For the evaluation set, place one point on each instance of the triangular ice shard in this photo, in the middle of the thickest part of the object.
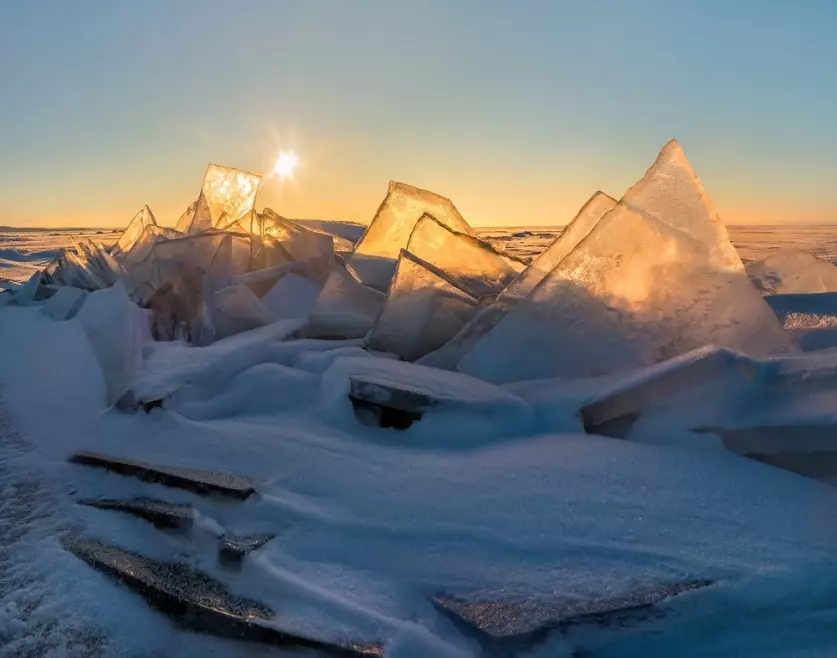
(116, 329)
(632, 293)
(132, 233)
(422, 312)
(185, 221)
(377, 250)
(672, 193)
(579, 228)
(230, 194)
(472, 264)
(345, 308)
(790, 271)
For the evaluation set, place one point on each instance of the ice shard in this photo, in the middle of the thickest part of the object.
(345, 308)
(377, 250)
(579, 228)
(298, 241)
(292, 296)
(236, 309)
(423, 310)
(197, 218)
(65, 303)
(116, 329)
(473, 265)
(634, 292)
(672, 193)
(791, 271)
(230, 194)
(134, 230)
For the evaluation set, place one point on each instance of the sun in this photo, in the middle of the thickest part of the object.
(286, 164)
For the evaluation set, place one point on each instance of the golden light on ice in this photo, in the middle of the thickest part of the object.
(286, 164)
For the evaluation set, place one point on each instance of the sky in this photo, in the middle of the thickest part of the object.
(518, 111)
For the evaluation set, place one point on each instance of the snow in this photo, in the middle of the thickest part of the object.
(65, 303)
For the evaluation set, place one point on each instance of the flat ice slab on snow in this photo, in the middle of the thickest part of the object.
(793, 271)
(633, 293)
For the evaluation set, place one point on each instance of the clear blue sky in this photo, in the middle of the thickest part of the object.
(517, 110)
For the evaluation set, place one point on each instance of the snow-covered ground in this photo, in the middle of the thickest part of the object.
(499, 498)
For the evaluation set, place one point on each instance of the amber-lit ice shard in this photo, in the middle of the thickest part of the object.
(469, 262)
(634, 292)
(197, 218)
(230, 194)
(790, 271)
(423, 310)
(345, 308)
(299, 241)
(377, 250)
(134, 230)
(672, 193)
(579, 228)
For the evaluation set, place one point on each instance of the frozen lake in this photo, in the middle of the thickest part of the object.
(22, 251)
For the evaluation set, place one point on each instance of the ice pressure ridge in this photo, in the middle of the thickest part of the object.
(628, 284)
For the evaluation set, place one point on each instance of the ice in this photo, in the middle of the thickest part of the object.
(292, 296)
(792, 271)
(633, 293)
(423, 310)
(579, 228)
(143, 219)
(229, 194)
(65, 303)
(672, 193)
(473, 265)
(345, 308)
(26, 294)
(116, 329)
(236, 309)
(377, 250)
(810, 318)
(487, 318)
(614, 408)
(300, 241)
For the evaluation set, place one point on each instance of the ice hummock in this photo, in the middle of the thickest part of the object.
(634, 292)
(470, 263)
(424, 309)
(672, 193)
(377, 250)
(793, 271)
